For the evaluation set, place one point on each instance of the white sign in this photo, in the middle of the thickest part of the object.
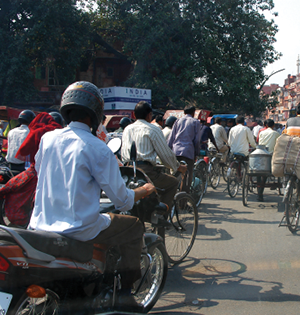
(118, 97)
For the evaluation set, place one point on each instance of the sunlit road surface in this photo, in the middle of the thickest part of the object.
(241, 262)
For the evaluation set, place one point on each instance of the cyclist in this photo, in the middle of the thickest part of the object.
(220, 135)
(292, 127)
(184, 141)
(240, 137)
(150, 143)
(267, 138)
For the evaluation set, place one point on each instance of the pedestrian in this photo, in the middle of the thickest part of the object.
(184, 141)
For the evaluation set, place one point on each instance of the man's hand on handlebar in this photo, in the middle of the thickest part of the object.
(143, 191)
(182, 168)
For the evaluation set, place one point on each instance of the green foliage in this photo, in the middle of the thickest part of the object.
(211, 52)
(33, 33)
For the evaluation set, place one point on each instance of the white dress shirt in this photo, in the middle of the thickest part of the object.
(150, 143)
(166, 132)
(220, 135)
(239, 138)
(73, 166)
(15, 139)
(256, 129)
(268, 138)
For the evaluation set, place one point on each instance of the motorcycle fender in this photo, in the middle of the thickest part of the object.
(152, 239)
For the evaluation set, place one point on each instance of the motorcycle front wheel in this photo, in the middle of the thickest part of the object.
(154, 273)
(37, 306)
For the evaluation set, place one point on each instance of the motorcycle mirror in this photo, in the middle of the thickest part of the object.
(133, 152)
(115, 144)
(133, 158)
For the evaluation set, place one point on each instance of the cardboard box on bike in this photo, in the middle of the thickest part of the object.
(286, 156)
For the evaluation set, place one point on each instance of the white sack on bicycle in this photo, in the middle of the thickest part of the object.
(286, 156)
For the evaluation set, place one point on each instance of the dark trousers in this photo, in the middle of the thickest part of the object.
(17, 167)
(261, 181)
(188, 177)
(127, 233)
(163, 181)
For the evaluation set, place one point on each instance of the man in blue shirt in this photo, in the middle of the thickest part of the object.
(184, 140)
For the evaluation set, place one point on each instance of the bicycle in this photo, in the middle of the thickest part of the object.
(200, 181)
(235, 173)
(224, 167)
(179, 237)
(214, 169)
(291, 198)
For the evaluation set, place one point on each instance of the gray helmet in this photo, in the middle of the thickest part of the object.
(26, 117)
(86, 96)
(124, 122)
(57, 117)
(170, 121)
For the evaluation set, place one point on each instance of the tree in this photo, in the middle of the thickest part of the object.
(211, 52)
(49, 33)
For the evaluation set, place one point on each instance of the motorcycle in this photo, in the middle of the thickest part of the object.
(46, 273)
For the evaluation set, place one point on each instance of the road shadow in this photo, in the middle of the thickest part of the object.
(202, 283)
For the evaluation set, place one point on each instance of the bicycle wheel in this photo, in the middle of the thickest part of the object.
(292, 205)
(232, 180)
(180, 237)
(246, 189)
(224, 172)
(199, 183)
(215, 173)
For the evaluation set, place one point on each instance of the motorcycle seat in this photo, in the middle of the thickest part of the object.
(53, 244)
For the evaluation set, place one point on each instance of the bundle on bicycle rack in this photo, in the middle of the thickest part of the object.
(286, 156)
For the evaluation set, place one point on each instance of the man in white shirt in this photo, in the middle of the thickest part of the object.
(168, 126)
(73, 166)
(15, 139)
(269, 136)
(220, 135)
(240, 137)
(256, 129)
(150, 143)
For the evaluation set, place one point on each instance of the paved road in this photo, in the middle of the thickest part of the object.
(241, 262)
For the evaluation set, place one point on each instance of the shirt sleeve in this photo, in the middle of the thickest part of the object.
(166, 155)
(107, 174)
(251, 138)
(197, 140)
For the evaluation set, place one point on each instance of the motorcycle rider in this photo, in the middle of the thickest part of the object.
(168, 126)
(73, 166)
(15, 139)
(124, 122)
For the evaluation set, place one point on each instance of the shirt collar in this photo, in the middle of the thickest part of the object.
(80, 125)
